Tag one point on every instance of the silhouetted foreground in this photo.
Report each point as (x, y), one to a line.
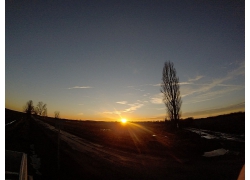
(227, 123)
(106, 150)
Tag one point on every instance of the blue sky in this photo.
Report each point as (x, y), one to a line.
(103, 60)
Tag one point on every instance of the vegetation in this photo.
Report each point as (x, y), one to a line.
(57, 114)
(29, 108)
(41, 109)
(171, 92)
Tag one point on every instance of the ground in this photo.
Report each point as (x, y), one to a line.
(111, 150)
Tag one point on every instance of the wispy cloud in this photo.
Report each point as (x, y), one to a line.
(142, 101)
(196, 78)
(219, 82)
(122, 102)
(197, 100)
(112, 112)
(229, 85)
(157, 99)
(159, 84)
(80, 87)
(216, 93)
(109, 112)
(155, 84)
(190, 81)
(147, 94)
(185, 83)
(132, 107)
(137, 89)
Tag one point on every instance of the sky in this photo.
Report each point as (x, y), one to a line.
(103, 60)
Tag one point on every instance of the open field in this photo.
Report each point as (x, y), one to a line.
(106, 150)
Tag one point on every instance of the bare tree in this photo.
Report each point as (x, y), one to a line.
(57, 114)
(41, 109)
(28, 108)
(45, 113)
(171, 92)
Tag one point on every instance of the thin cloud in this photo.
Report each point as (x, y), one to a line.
(112, 112)
(133, 87)
(132, 107)
(122, 102)
(229, 85)
(80, 87)
(196, 78)
(191, 81)
(185, 83)
(140, 101)
(217, 93)
(157, 99)
(160, 109)
(201, 100)
(139, 89)
(216, 82)
(144, 85)
(181, 83)
(156, 84)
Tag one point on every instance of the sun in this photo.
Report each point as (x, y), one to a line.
(123, 120)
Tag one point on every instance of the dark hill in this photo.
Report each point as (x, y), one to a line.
(227, 123)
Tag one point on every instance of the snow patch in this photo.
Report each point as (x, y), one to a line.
(217, 152)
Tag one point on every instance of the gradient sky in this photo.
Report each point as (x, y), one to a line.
(102, 60)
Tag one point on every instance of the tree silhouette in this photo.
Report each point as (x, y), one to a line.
(171, 93)
(41, 109)
(57, 114)
(29, 108)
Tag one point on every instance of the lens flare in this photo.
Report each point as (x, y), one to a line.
(123, 120)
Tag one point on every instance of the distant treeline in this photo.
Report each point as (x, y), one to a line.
(228, 123)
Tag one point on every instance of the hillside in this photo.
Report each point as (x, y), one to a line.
(228, 123)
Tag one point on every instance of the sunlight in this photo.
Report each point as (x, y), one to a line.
(123, 120)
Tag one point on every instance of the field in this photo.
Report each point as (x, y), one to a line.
(108, 150)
